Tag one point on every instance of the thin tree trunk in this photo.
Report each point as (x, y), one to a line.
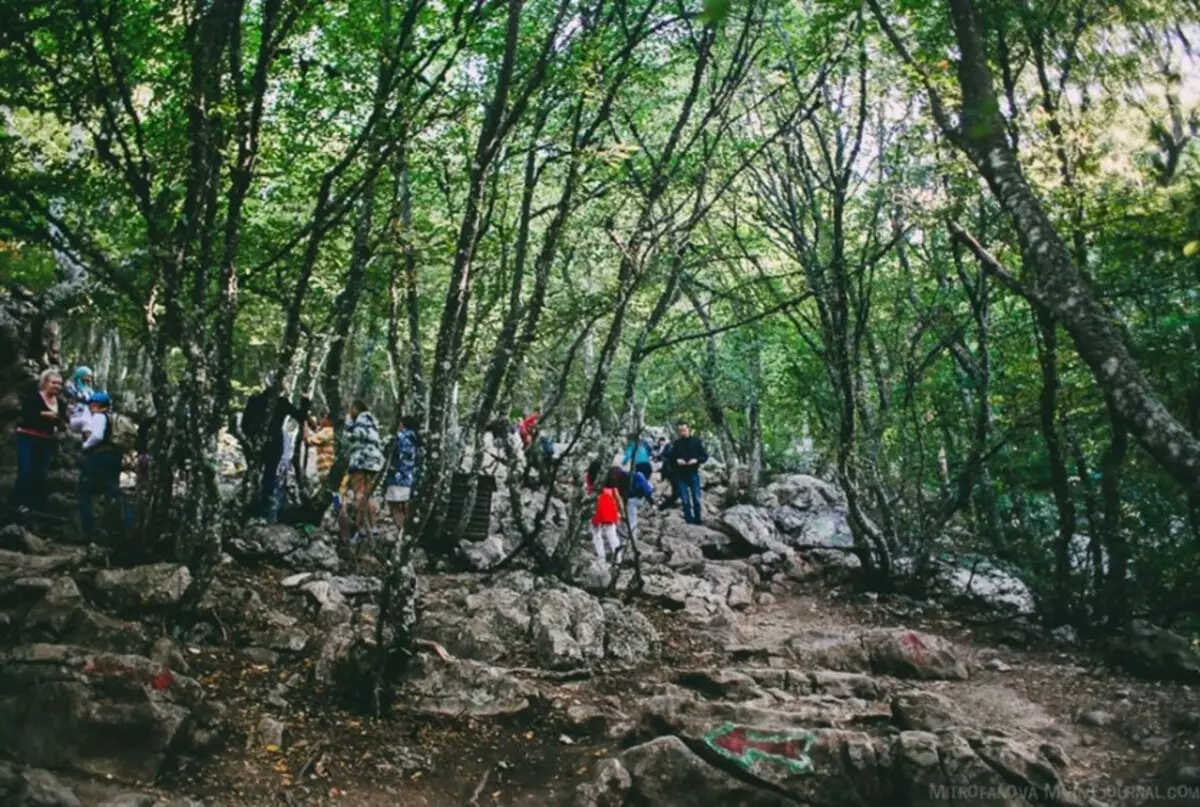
(1056, 459)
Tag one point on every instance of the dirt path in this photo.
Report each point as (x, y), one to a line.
(540, 758)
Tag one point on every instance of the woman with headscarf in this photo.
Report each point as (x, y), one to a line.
(78, 391)
(43, 414)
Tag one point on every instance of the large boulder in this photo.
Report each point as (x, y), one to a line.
(465, 689)
(628, 635)
(922, 710)
(984, 582)
(813, 761)
(910, 654)
(803, 492)
(568, 628)
(752, 526)
(900, 653)
(484, 626)
(155, 585)
(62, 617)
(666, 773)
(281, 545)
(1158, 654)
(98, 713)
(33, 787)
(17, 565)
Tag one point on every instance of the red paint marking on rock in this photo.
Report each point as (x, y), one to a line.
(915, 646)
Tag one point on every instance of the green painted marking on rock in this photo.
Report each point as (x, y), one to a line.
(746, 746)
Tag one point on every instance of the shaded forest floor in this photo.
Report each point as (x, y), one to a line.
(333, 756)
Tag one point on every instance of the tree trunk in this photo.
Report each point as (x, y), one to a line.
(1059, 285)
(1114, 538)
(1057, 461)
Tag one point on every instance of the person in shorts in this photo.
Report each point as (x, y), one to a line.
(366, 460)
(403, 477)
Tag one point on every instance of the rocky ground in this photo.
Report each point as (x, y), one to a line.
(749, 634)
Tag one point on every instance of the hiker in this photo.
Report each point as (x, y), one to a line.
(404, 471)
(527, 427)
(668, 474)
(268, 439)
(324, 441)
(78, 391)
(639, 452)
(43, 414)
(687, 455)
(547, 450)
(604, 521)
(656, 454)
(100, 472)
(366, 460)
(590, 476)
(637, 490)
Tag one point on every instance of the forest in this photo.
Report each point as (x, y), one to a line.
(943, 255)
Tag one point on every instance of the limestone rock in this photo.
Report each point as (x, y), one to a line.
(285, 546)
(666, 773)
(485, 626)
(1158, 654)
(628, 635)
(921, 710)
(483, 555)
(910, 654)
(33, 788)
(753, 526)
(568, 628)
(465, 688)
(155, 585)
(592, 575)
(608, 788)
(61, 707)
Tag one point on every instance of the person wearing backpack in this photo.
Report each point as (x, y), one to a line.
(639, 451)
(100, 472)
(637, 490)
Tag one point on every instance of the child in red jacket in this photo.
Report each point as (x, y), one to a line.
(604, 521)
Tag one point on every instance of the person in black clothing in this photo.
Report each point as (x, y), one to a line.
(43, 415)
(667, 472)
(269, 440)
(687, 455)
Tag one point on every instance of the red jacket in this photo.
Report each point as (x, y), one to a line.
(607, 510)
(525, 428)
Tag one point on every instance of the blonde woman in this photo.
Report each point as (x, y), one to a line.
(43, 415)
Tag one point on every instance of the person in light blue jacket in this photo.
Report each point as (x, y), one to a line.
(639, 451)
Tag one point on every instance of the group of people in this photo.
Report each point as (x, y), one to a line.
(621, 489)
(76, 407)
(266, 430)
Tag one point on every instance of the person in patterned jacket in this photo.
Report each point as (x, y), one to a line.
(366, 460)
(403, 477)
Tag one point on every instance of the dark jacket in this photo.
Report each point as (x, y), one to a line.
(668, 464)
(687, 448)
(255, 426)
(32, 422)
